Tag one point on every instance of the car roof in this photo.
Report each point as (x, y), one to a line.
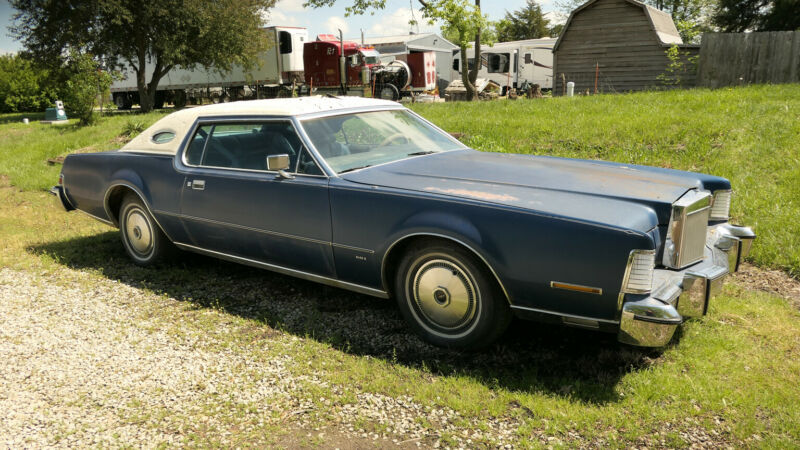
(181, 121)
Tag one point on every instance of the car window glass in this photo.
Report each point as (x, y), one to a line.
(195, 152)
(163, 137)
(245, 145)
(351, 141)
(306, 164)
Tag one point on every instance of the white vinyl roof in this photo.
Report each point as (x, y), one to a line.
(179, 122)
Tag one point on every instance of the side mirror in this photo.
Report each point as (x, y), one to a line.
(279, 163)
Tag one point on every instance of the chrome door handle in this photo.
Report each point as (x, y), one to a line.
(198, 185)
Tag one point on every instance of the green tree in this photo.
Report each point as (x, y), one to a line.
(23, 86)
(151, 37)
(525, 23)
(462, 24)
(757, 15)
(85, 81)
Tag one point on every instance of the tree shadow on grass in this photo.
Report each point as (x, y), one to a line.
(530, 357)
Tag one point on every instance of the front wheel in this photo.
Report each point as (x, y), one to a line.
(448, 297)
(143, 239)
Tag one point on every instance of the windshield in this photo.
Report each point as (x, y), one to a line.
(371, 57)
(355, 141)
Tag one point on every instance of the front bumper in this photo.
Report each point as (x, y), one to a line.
(651, 320)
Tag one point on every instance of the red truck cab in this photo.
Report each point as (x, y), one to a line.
(321, 61)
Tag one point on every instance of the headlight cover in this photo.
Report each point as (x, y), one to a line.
(721, 206)
(639, 272)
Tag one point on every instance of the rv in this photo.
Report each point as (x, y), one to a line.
(515, 64)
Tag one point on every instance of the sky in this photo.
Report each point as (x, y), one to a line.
(391, 21)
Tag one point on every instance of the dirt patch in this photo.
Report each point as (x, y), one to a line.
(4, 181)
(775, 282)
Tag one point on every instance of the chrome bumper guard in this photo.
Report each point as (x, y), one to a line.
(681, 294)
(58, 191)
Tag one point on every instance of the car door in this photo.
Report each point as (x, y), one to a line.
(231, 204)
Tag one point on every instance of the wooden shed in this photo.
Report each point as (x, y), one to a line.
(628, 40)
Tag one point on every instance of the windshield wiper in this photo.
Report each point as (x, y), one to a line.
(423, 152)
(355, 168)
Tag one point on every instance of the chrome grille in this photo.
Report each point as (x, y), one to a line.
(686, 235)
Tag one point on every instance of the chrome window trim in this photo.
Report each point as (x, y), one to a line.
(443, 236)
(166, 130)
(287, 271)
(213, 121)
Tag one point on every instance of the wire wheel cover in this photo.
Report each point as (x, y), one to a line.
(444, 294)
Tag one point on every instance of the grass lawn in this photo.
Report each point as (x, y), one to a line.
(749, 135)
(731, 378)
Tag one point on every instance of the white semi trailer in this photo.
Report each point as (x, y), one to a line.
(515, 63)
(280, 68)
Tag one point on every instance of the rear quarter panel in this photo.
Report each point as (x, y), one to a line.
(89, 176)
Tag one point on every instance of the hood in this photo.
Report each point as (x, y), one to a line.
(627, 196)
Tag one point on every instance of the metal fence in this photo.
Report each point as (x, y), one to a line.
(732, 59)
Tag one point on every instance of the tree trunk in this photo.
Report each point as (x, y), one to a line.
(472, 92)
(469, 86)
(145, 101)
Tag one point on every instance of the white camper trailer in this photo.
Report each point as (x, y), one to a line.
(515, 63)
(281, 65)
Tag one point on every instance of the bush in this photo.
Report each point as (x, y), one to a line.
(85, 81)
(23, 86)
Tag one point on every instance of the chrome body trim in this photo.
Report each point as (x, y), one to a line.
(246, 228)
(681, 294)
(107, 222)
(569, 316)
(468, 247)
(727, 214)
(687, 229)
(648, 323)
(115, 222)
(287, 271)
(628, 269)
(350, 247)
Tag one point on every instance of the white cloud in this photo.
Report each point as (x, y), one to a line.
(389, 24)
(280, 18)
(333, 24)
(290, 5)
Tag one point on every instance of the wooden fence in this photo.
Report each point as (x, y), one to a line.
(732, 59)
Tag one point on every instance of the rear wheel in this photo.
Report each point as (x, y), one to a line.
(142, 237)
(449, 298)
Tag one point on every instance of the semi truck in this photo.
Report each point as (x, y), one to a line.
(291, 64)
(279, 69)
(513, 64)
(338, 66)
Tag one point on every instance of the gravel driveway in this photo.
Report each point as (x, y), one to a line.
(89, 361)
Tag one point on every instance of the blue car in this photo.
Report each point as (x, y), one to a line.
(366, 195)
